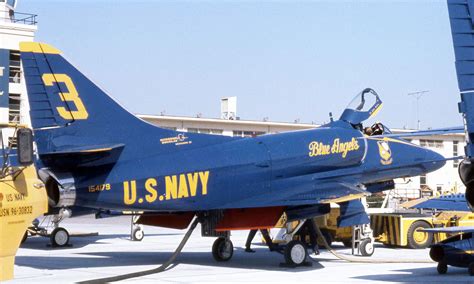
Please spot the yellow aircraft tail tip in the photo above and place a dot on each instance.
(38, 47)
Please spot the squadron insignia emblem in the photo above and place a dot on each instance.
(385, 152)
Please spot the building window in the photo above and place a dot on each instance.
(438, 144)
(169, 128)
(14, 108)
(422, 180)
(14, 66)
(206, 131)
(455, 153)
(241, 133)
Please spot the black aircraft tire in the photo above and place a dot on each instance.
(138, 234)
(470, 269)
(295, 253)
(222, 249)
(419, 240)
(367, 247)
(442, 268)
(59, 237)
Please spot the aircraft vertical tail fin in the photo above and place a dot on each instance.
(71, 115)
(462, 29)
(60, 95)
(68, 111)
(461, 16)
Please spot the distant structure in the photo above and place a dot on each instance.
(15, 27)
(229, 108)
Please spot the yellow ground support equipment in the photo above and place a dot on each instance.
(22, 199)
(402, 229)
(328, 226)
(360, 236)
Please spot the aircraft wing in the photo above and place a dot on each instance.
(430, 132)
(448, 230)
(325, 193)
(455, 202)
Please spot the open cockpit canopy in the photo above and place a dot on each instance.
(365, 105)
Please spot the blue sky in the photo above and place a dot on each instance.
(284, 60)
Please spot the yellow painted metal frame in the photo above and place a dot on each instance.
(21, 200)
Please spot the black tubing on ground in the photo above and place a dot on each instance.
(437, 253)
(365, 260)
(159, 269)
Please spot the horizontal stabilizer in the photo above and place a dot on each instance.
(87, 149)
(93, 155)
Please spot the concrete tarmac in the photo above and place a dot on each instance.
(112, 253)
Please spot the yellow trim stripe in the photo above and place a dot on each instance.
(344, 198)
(374, 113)
(37, 47)
(96, 150)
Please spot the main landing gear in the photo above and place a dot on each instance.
(295, 253)
(59, 236)
(136, 230)
(222, 249)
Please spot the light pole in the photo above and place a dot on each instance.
(418, 95)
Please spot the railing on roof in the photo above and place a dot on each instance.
(21, 18)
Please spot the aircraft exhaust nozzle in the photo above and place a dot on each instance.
(466, 173)
(60, 188)
(437, 253)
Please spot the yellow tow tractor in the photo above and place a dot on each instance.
(403, 229)
(22, 196)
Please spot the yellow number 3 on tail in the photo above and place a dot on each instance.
(70, 96)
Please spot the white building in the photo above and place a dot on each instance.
(15, 27)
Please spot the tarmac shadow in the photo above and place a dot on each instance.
(43, 243)
(422, 275)
(261, 259)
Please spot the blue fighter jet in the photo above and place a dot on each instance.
(95, 154)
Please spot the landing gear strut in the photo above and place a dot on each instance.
(137, 233)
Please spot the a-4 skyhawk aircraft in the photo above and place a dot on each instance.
(95, 154)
